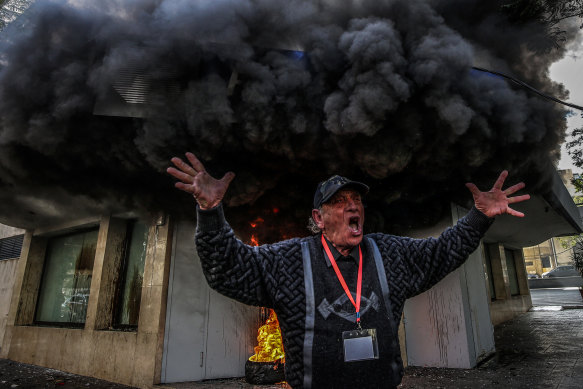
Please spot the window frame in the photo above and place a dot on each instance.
(58, 324)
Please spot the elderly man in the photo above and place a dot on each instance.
(339, 294)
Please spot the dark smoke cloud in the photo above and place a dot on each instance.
(285, 93)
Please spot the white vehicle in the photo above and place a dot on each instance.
(562, 271)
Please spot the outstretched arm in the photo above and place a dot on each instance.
(194, 179)
(424, 262)
(497, 201)
(230, 266)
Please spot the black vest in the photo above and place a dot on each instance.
(332, 313)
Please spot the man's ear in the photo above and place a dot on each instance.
(317, 216)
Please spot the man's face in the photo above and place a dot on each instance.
(341, 219)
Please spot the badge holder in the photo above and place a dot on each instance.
(360, 345)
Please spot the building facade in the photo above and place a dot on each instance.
(10, 248)
(125, 300)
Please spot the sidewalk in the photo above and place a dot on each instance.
(539, 349)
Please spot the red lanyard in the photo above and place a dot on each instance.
(341, 279)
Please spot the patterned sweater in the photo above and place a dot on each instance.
(274, 276)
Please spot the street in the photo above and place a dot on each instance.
(566, 297)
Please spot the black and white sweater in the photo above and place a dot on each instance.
(275, 276)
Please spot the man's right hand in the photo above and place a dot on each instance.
(194, 179)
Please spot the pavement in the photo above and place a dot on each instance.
(568, 297)
(542, 348)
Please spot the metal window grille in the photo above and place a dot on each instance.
(10, 247)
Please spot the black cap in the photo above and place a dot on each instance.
(327, 189)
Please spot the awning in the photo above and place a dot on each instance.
(551, 215)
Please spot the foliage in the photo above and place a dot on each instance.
(2, 22)
(576, 154)
(548, 12)
(578, 256)
(568, 242)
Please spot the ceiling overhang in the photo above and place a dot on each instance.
(551, 215)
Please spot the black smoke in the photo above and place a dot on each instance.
(284, 93)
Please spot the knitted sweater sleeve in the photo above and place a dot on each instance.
(415, 265)
(234, 269)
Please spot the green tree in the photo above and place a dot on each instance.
(574, 147)
(548, 12)
(578, 256)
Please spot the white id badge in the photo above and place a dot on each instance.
(360, 345)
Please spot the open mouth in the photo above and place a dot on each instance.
(354, 225)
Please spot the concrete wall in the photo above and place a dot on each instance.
(449, 325)
(7, 274)
(132, 358)
(7, 231)
(505, 310)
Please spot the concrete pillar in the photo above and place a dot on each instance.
(153, 302)
(26, 284)
(499, 271)
(106, 272)
(521, 273)
(28, 278)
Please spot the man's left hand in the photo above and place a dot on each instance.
(497, 201)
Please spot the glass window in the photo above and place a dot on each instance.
(130, 288)
(546, 261)
(512, 276)
(66, 280)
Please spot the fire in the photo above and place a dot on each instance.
(253, 224)
(256, 222)
(270, 346)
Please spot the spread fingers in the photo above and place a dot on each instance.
(518, 199)
(196, 164)
(180, 175)
(514, 188)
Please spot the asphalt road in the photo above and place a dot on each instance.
(567, 297)
(555, 282)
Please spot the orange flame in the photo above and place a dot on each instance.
(256, 222)
(270, 346)
(254, 240)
